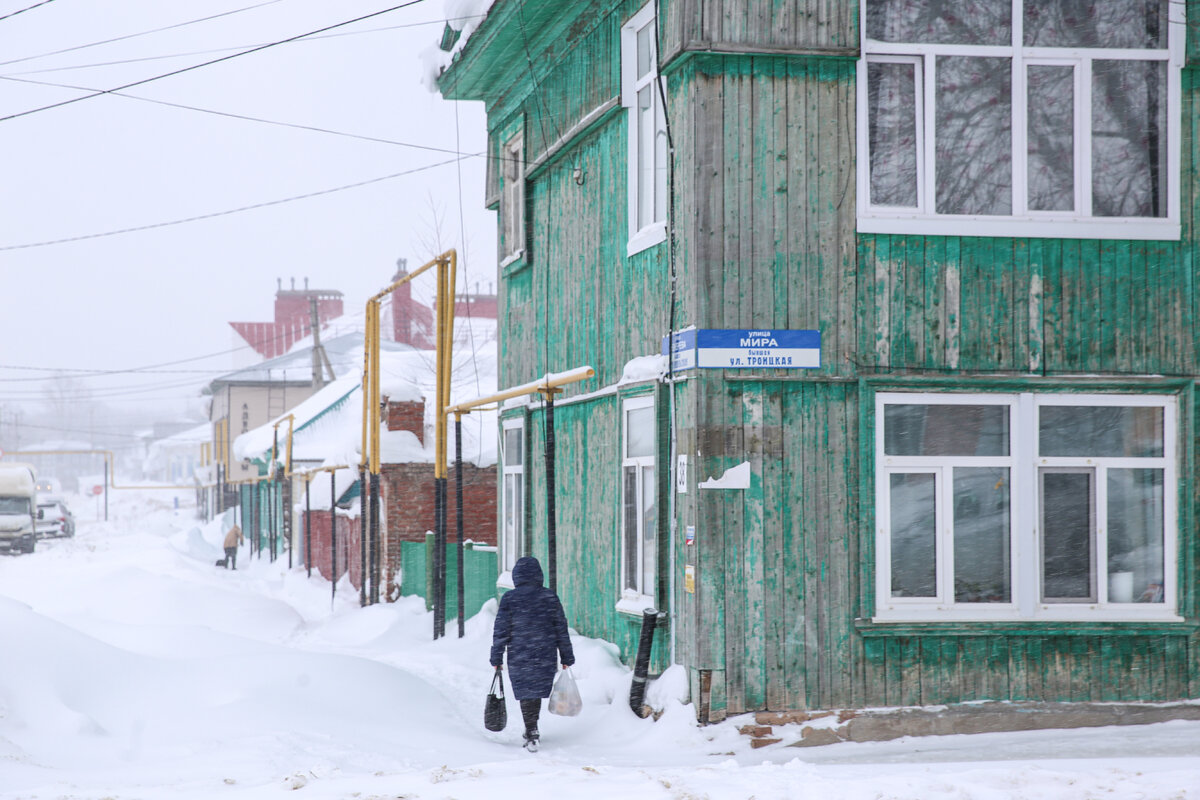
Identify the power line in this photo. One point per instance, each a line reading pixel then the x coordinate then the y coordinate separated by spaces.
pixel 136 35
pixel 189 360
pixel 23 10
pixel 248 118
pixel 208 63
pixel 236 47
pixel 103 373
pixel 227 212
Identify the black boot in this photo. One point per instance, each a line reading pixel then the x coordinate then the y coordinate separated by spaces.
pixel 531 740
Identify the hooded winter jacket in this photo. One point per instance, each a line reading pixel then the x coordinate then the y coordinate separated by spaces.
pixel 531 625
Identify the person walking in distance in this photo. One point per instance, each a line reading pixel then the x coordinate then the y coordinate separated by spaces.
pixel 531 626
pixel 232 540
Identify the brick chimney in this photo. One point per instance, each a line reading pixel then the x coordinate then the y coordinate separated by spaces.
pixel 407 415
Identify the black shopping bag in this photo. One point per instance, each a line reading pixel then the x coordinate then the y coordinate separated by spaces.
pixel 495 715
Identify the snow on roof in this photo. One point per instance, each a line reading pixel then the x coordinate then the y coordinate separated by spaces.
pixel 434 60
pixel 328 426
pixel 344 352
pixel 200 433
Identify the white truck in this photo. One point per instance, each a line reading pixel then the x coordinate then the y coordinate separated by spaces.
pixel 18 507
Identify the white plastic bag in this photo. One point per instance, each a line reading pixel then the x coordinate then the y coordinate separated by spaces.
pixel 564 697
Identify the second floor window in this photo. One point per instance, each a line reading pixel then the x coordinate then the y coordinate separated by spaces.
pixel 1020 118
pixel 512 199
pixel 640 95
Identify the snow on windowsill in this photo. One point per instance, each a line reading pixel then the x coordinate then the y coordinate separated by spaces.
pixel 642 369
pixel 505 580
pixel 647 237
pixel 634 604
pixel 513 264
pixel 733 478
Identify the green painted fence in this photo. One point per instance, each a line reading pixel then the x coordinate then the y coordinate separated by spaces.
pixel 479 574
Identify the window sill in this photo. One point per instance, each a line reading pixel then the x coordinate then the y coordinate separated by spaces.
pixel 1159 626
pixel 646 238
pixel 505 581
pixel 634 605
pixel 513 264
pixel 1039 228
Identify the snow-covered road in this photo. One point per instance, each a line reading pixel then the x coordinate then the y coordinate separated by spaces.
pixel 130 667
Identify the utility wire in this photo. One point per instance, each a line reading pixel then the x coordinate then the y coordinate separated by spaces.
pixel 238 47
pixel 227 212
pixel 248 118
pixel 23 10
pixel 136 35
pixel 208 63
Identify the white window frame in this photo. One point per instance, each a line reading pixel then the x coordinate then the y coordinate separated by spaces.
pixel 633 602
pixel 1022 222
pixel 512 198
pixel 1026 465
pixel 511 536
pixel 654 232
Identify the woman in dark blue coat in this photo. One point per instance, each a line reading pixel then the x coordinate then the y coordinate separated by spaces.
pixel 531 625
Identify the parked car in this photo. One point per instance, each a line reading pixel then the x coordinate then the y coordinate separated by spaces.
pixel 17 515
pixel 54 518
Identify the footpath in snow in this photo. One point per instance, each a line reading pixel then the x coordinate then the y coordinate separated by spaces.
pixel 131 667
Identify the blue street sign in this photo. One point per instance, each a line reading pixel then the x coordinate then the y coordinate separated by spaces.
pixel 746 349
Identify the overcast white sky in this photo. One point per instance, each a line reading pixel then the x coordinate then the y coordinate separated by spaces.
pixel 110 163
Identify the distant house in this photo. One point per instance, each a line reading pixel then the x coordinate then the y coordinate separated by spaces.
pixel 985 487
pixel 327 432
pixel 293 319
pixel 244 399
pixel 174 459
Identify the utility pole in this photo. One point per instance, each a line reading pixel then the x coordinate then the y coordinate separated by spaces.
pixel 319 358
pixel 318 379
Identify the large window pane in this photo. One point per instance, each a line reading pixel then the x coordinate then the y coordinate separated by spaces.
pixel 1135 536
pixel 645 50
pixel 1140 24
pixel 974 135
pixel 945 430
pixel 631 531
pixel 940 21
pixel 514 452
pixel 1051 136
pixel 892 96
pixel 914 535
pixel 648 530
pixel 1068 536
pixel 1129 138
pixel 981 535
pixel 1100 431
pixel 645 156
pixel 639 432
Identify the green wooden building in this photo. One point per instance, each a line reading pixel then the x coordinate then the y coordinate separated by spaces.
pixel 987 487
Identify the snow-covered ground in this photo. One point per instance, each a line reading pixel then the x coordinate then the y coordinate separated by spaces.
pixel 130 667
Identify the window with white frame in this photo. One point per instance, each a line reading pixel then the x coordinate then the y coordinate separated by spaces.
pixel 638 535
pixel 512 197
pixel 1027 506
pixel 1021 117
pixel 512 542
pixel 640 94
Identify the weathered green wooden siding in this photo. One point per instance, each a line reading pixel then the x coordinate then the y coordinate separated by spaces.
pixel 758 26
pixel 581 300
pixel 773 231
